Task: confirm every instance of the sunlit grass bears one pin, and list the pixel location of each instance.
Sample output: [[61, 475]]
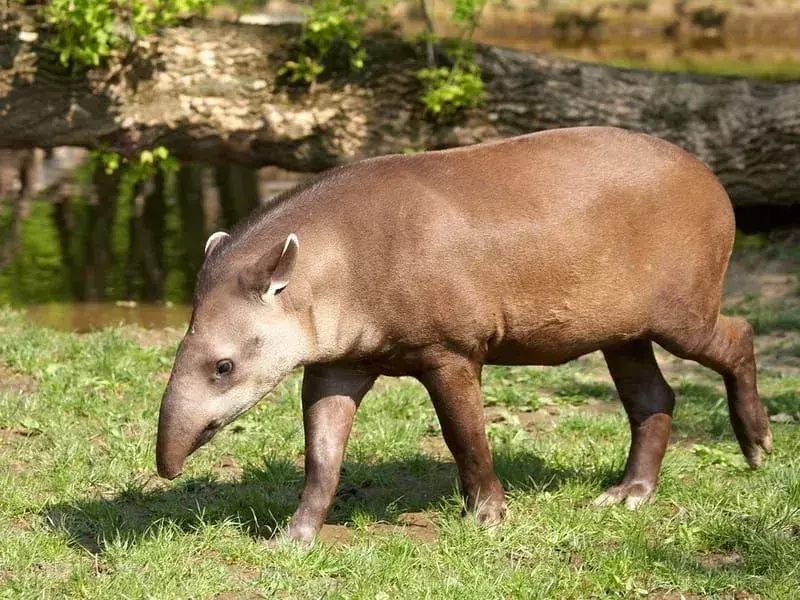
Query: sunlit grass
[[82, 513]]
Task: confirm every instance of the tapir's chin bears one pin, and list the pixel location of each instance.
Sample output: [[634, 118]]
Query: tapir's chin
[[205, 436], [170, 471]]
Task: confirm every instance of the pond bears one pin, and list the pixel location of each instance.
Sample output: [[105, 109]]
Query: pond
[[83, 317]]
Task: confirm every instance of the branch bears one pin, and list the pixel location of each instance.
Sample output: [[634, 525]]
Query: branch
[[208, 91]]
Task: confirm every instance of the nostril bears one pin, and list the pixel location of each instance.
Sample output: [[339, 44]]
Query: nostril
[[214, 425]]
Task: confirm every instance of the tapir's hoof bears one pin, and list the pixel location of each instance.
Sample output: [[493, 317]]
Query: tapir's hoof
[[298, 533], [767, 443], [491, 512], [752, 451], [633, 494]]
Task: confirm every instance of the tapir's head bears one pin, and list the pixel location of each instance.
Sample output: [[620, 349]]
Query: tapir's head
[[244, 337]]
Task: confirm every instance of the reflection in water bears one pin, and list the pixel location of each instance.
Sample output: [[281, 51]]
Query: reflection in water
[[96, 239], [90, 316]]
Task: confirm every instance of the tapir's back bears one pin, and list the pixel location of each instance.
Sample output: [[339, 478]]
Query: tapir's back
[[561, 239]]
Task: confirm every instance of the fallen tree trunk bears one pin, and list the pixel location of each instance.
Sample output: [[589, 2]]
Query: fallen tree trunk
[[208, 91]]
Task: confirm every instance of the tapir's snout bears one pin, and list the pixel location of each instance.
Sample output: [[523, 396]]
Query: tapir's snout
[[180, 432], [169, 470]]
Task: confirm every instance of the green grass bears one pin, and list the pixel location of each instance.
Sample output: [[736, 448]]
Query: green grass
[[82, 513], [777, 70]]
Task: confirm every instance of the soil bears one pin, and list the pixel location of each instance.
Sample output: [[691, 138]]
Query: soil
[[417, 526], [14, 382]]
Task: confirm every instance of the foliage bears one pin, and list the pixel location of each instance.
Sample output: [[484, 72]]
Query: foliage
[[447, 90], [333, 27], [85, 32], [133, 171], [467, 13]]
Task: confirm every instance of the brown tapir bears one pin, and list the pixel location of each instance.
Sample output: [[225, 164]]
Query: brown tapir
[[529, 251]]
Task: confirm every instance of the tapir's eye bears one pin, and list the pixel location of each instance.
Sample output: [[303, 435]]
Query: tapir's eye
[[224, 367]]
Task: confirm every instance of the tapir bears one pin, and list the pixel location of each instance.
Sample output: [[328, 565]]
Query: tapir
[[532, 250]]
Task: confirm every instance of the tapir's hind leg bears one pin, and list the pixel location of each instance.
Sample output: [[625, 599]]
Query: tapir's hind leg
[[729, 351], [649, 401]]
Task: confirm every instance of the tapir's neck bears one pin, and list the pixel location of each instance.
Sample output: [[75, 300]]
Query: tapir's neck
[[334, 324], [322, 289]]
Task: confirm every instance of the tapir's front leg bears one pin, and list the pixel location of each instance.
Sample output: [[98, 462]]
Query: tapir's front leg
[[330, 399], [455, 388]]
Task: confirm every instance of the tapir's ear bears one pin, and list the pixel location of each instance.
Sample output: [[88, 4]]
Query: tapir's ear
[[279, 278], [270, 273], [214, 240]]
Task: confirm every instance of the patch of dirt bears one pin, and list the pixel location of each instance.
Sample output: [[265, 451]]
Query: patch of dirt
[[597, 408], [228, 468], [417, 526], [719, 560], [241, 572], [335, 534], [779, 351], [55, 569], [18, 432], [682, 440], [673, 595], [12, 381], [434, 446], [785, 418], [237, 596], [750, 274], [575, 560], [542, 419], [17, 466], [386, 383], [21, 525]]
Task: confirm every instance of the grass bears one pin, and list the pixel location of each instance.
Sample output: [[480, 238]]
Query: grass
[[82, 513], [771, 70]]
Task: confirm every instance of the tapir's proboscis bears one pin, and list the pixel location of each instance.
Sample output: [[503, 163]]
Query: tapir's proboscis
[[529, 251]]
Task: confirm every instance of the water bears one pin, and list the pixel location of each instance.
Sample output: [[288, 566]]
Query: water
[[83, 317]]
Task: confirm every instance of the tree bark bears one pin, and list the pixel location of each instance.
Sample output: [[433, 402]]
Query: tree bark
[[99, 253], [209, 92], [146, 244], [238, 192], [189, 193], [23, 166]]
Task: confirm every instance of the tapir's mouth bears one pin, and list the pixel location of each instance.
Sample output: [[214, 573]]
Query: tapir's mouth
[[204, 436], [170, 460]]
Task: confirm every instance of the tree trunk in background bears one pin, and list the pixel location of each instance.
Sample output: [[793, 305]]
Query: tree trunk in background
[[238, 192], [193, 226], [20, 168], [99, 252], [62, 218], [154, 223], [208, 91], [146, 241]]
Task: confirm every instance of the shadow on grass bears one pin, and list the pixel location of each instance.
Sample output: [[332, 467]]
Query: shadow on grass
[[261, 500]]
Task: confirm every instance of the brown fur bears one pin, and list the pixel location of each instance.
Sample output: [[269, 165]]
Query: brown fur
[[532, 250]]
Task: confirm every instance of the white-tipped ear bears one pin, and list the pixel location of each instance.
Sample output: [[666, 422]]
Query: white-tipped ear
[[283, 270], [214, 239]]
